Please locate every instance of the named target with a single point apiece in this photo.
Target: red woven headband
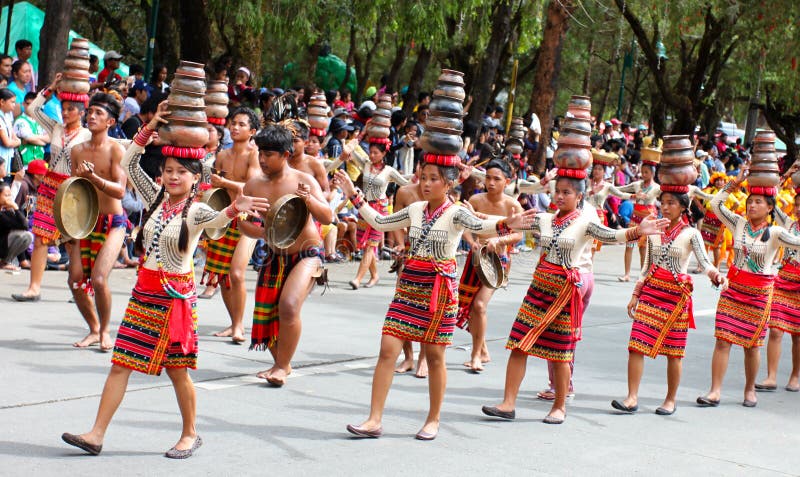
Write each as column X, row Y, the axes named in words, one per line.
column 678, row 189
column 761, row 190
column 184, row 152
column 74, row 97
column 380, row 140
column 217, row 121
column 317, row 132
column 571, row 173
column 442, row 160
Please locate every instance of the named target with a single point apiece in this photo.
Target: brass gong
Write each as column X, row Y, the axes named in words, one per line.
column 489, row 268
column 76, row 208
column 218, row 199
column 285, row 221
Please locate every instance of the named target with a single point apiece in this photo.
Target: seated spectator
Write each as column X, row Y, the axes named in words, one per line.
column 5, row 67
column 146, row 111
column 15, row 237
column 137, row 95
column 8, row 139
column 24, row 49
column 158, row 80
column 21, row 72
column 34, row 138
column 26, row 184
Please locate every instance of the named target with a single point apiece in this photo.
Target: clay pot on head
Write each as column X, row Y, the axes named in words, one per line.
column 317, row 111
column 570, row 157
column 377, row 131
column 381, row 120
column 319, row 122
column 580, row 107
column 676, row 142
column 77, row 86
column 763, row 179
column 191, row 113
column 445, row 122
column 188, row 83
column 683, row 174
column 441, row 141
column 769, row 166
column 580, row 125
column 216, row 98
column 763, row 147
column 451, row 77
column 187, row 98
column 217, row 87
column 184, row 134
column 190, row 68
column 385, row 102
column 80, row 43
column 764, row 135
column 572, row 138
column 82, row 75
column 76, row 63
column 452, row 91
column 216, row 111
column 678, row 156
column 514, row 146
column 447, row 105
column 764, row 157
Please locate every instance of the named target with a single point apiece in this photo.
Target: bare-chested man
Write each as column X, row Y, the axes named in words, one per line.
column 473, row 298
column 303, row 162
column 91, row 259
column 287, row 276
column 227, row 258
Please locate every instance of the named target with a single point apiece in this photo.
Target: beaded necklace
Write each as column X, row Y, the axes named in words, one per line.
column 666, row 242
column 168, row 212
column 558, row 225
column 373, row 174
column 753, row 234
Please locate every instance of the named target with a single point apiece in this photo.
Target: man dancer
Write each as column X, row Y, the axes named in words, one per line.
column 300, row 160
column 473, row 298
column 92, row 258
column 287, row 276
column 227, row 258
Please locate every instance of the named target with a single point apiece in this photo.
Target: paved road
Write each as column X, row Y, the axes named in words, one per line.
column 248, row 428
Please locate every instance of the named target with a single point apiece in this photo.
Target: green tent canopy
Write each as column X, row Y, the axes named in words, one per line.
column 329, row 76
column 26, row 23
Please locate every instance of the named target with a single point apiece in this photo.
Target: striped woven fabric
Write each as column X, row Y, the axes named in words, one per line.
column 711, row 229
column 143, row 342
column 219, row 254
column 365, row 234
column 425, row 303
column 271, row 278
column 468, row 287
column 544, row 326
column 663, row 315
column 785, row 315
column 91, row 244
column 44, row 225
column 744, row 308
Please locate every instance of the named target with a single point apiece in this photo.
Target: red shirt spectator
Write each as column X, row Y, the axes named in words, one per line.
column 110, row 65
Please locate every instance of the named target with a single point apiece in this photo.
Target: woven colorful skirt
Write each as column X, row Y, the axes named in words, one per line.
column 663, row 315
column 641, row 212
column 219, row 254
column 549, row 321
column 90, row 245
column 468, row 287
column 744, row 308
column 158, row 331
column 785, row 315
column 711, row 230
column 44, row 223
column 425, row 303
column 365, row 234
column 271, row 278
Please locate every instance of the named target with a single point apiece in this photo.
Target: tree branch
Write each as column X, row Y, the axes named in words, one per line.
column 116, row 26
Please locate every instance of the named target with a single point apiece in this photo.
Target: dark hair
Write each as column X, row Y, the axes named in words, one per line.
column 381, row 147
column 195, row 167
column 29, row 96
column 579, row 185
column 156, row 71
column 6, row 57
column 109, row 102
column 448, row 173
column 499, row 164
column 20, row 44
column 16, row 66
column 398, row 117
column 274, row 138
column 135, row 69
column 251, row 116
column 150, row 105
column 301, row 129
column 652, row 167
column 422, row 96
column 93, row 59
column 6, row 94
column 686, row 202
column 220, row 133
column 3, row 184
column 365, row 112
column 770, row 200
column 330, row 96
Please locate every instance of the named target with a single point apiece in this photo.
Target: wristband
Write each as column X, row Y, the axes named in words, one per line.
column 632, row 234
column 637, row 290
column 231, row 212
column 357, row 201
column 502, row 228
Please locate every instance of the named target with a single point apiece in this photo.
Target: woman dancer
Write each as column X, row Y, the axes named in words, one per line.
column 159, row 329
column 375, row 179
column 426, row 300
column 744, row 308
column 645, row 193
column 661, row 305
column 785, row 315
column 548, row 323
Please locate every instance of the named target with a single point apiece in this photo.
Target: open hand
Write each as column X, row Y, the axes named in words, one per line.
column 343, row 180
column 549, row 175
column 651, row 225
column 521, row 221
column 632, row 306
column 159, row 117
column 252, row 205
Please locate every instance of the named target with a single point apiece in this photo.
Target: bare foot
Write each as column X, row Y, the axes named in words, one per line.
column 485, row 358
column 668, row 405
column 476, row 365
column 209, row 292
column 751, row 396
column 227, row 332
column 422, row 369
column 404, row 367
column 372, row 282
column 557, row 413
column 768, row 383
column 238, row 337
column 793, row 383
column 106, row 344
column 185, row 442
column 430, row 427
column 266, row 373
column 277, row 376
column 88, row 340
column 624, row 278
column 119, row 265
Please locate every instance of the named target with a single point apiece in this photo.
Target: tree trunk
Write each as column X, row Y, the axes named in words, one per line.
column 482, row 87
column 351, row 55
column 587, row 74
column 658, row 114
column 548, row 68
column 424, row 55
column 786, row 125
column 362, row 72
column 53, row 39
column 167, row 40
column 400, row 54
column 195, row 30
column 607, row 90
column 308, row 67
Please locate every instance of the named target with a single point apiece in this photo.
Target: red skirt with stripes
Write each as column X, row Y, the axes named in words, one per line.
column 425, row 303
column 785, row 314
column 744, row 308
column 663, row 315
column 711, row 229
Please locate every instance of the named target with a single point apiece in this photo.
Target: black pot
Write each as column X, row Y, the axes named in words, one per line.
column 447, row 105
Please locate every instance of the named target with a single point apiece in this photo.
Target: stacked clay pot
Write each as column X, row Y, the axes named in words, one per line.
column 379, row 126
column 444, row 125
column 75, row 78
column 574, row 142
column 318, row 112
column 764, row 170
column 187, row 108
column 676, row 161
column 216, row 101
column 516, row 137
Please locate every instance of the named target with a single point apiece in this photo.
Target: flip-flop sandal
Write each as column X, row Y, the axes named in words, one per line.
column 766, row 387
column 792, row 389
